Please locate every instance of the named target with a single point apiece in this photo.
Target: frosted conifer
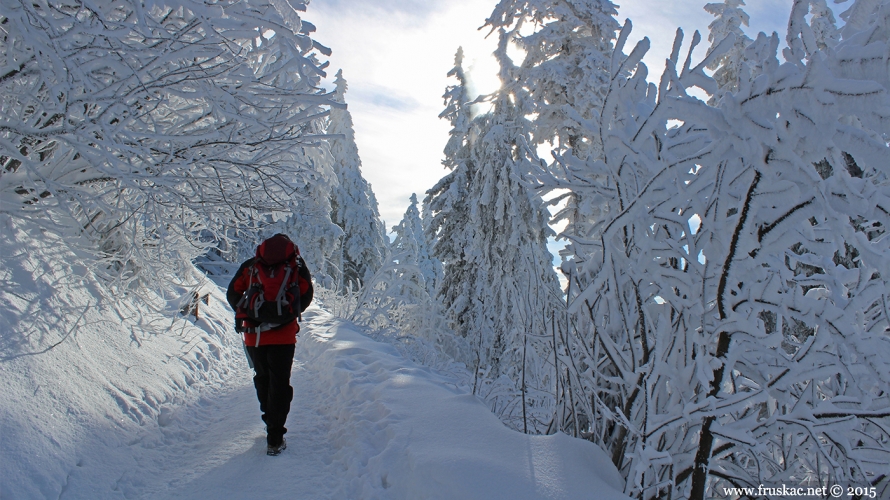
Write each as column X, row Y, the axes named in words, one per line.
column 491, row 230
column 353, row 204
column 729, row 21
column 563, row 81
column 411, row 241
column 564, row 74
column 447, row 206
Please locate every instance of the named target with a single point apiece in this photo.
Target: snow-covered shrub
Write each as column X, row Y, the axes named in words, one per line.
column 734, row 331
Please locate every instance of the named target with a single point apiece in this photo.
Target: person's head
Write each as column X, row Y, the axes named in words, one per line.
column 275, row 249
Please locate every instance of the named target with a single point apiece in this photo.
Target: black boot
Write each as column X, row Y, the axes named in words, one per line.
column 276, row 450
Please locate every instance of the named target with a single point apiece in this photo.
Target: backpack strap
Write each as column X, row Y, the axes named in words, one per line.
column 299, row 294
column 281, row 299
column 252, row 280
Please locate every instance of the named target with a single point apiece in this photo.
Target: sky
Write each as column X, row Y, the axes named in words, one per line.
column 395, row 56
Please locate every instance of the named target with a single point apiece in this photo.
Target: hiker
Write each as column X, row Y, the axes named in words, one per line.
column 268, row 294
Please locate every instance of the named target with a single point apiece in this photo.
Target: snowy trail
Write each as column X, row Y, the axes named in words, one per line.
column 365, row 423
column 223, row 450
column 132, row 399
column 213, row 448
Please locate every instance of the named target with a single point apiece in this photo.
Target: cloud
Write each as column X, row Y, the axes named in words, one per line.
column 411, row 10
column 383, row 97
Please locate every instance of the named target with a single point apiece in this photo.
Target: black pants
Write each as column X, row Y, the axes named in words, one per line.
column 272, row 364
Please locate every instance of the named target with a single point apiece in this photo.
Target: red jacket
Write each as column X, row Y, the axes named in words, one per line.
column 285, row 334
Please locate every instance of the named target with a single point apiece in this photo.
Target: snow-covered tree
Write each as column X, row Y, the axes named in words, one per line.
column 457, row 111
column 510, row 231
column 400, row 293
column 564, row 73
column 736, row 323
column 144, row 132
column 410, row 241
column 730, row 17
column 491, row 234
column 447, row 204
column 398, row 302
column 354, row 206
column 562, row 83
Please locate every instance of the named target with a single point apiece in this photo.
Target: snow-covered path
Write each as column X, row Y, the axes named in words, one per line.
column 128, row 397
column 214, row 447
column 365, row 423
column 217, row 449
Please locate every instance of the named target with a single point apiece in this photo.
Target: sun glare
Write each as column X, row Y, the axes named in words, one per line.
column 482, row 73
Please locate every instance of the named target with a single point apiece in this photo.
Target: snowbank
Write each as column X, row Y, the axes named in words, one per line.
column 81, row 376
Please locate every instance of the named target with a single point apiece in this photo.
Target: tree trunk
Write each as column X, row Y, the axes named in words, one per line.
column 706, row 438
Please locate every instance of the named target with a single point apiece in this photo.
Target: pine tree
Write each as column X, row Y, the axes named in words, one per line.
column 510, row 231
column 563, row 82
column 353, row 204
column 410, row 241
column 491, row 230
column 729, row 21
column 447, row 208
column 564, row 75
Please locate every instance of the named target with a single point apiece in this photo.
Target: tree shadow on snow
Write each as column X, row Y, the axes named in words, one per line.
column 43, row 296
